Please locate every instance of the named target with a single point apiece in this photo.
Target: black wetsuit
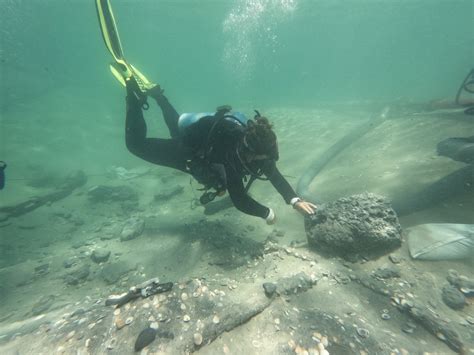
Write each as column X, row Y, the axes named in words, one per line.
column 175, row 153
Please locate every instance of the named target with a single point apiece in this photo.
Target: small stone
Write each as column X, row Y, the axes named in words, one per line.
column 100, row 255
column 117, row 312
column 394, row 259
column 269, row 288
column 186, row 318
column 184, row 296
column 154, row 325
column 119, row 323
column 215, row 319
column 324, row 341
column 182, row 306
column 453, row 297
column 197, row 339
column 277, row 321
column 90, row 326
column 408, row 328
column 129, row 320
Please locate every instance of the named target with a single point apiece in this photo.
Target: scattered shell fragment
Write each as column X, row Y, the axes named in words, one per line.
column 117, row 312
column 385, row 316
column 90, row 326
column 184, row 296
column 186, row 318
column 129, row 320
column 256, row 344
column 277, row 321
column 362, row 332
column 182, row 306
column 215, row 319
column 197, row 338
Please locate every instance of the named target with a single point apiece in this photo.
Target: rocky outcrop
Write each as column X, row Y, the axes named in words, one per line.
column 360, row 226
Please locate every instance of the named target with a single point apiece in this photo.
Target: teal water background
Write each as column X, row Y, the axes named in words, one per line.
column 58, row 98
column 282, row 51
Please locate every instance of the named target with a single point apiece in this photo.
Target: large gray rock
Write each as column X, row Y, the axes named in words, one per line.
column 355, row 227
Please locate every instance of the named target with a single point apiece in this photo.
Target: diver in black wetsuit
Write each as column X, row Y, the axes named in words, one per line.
column 219, row 150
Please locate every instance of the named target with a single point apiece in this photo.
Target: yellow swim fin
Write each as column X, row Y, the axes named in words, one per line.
column 121, row 69
column 109, row 29
column 123, row 72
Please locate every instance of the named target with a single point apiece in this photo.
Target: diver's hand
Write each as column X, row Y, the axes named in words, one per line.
column 304, row 207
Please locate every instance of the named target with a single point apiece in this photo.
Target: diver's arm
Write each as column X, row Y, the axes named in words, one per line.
column 279, row 182
column 286, row 191
column 243, row 202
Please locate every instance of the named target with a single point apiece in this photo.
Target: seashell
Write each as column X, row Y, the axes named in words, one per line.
column 145, row 338
column 441, row 336
column 117, row 312
column 186, row 318
column 129, row 320
column 362, row 332
column 197, row 339
column 184, row 296
column 256, row 344
column 182, row 306
column 215, row 319
column 385, row 316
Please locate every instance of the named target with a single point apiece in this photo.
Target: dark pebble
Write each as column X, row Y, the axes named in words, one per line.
column 145, row 338
column 453, row 297
column 270, row 289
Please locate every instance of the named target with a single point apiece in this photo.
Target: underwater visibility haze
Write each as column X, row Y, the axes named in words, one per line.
column 354, row 236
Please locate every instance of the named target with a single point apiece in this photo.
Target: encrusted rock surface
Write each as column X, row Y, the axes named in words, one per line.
column 359, row 226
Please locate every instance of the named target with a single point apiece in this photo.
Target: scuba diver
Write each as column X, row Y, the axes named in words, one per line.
column 220, row 150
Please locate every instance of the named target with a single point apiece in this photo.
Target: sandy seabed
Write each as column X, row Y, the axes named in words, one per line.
column 229, row 252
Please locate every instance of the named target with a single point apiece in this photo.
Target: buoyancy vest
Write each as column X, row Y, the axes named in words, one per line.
column 197, row 131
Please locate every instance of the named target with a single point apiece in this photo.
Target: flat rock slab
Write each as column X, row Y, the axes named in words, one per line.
column 358, row 227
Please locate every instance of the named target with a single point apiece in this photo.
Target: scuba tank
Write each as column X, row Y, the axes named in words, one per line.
column 196, row 131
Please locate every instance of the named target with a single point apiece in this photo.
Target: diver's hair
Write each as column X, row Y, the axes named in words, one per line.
column 261, row 138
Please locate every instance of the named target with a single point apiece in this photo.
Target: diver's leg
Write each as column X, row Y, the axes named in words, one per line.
column 165, row 152
column 170, row 114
